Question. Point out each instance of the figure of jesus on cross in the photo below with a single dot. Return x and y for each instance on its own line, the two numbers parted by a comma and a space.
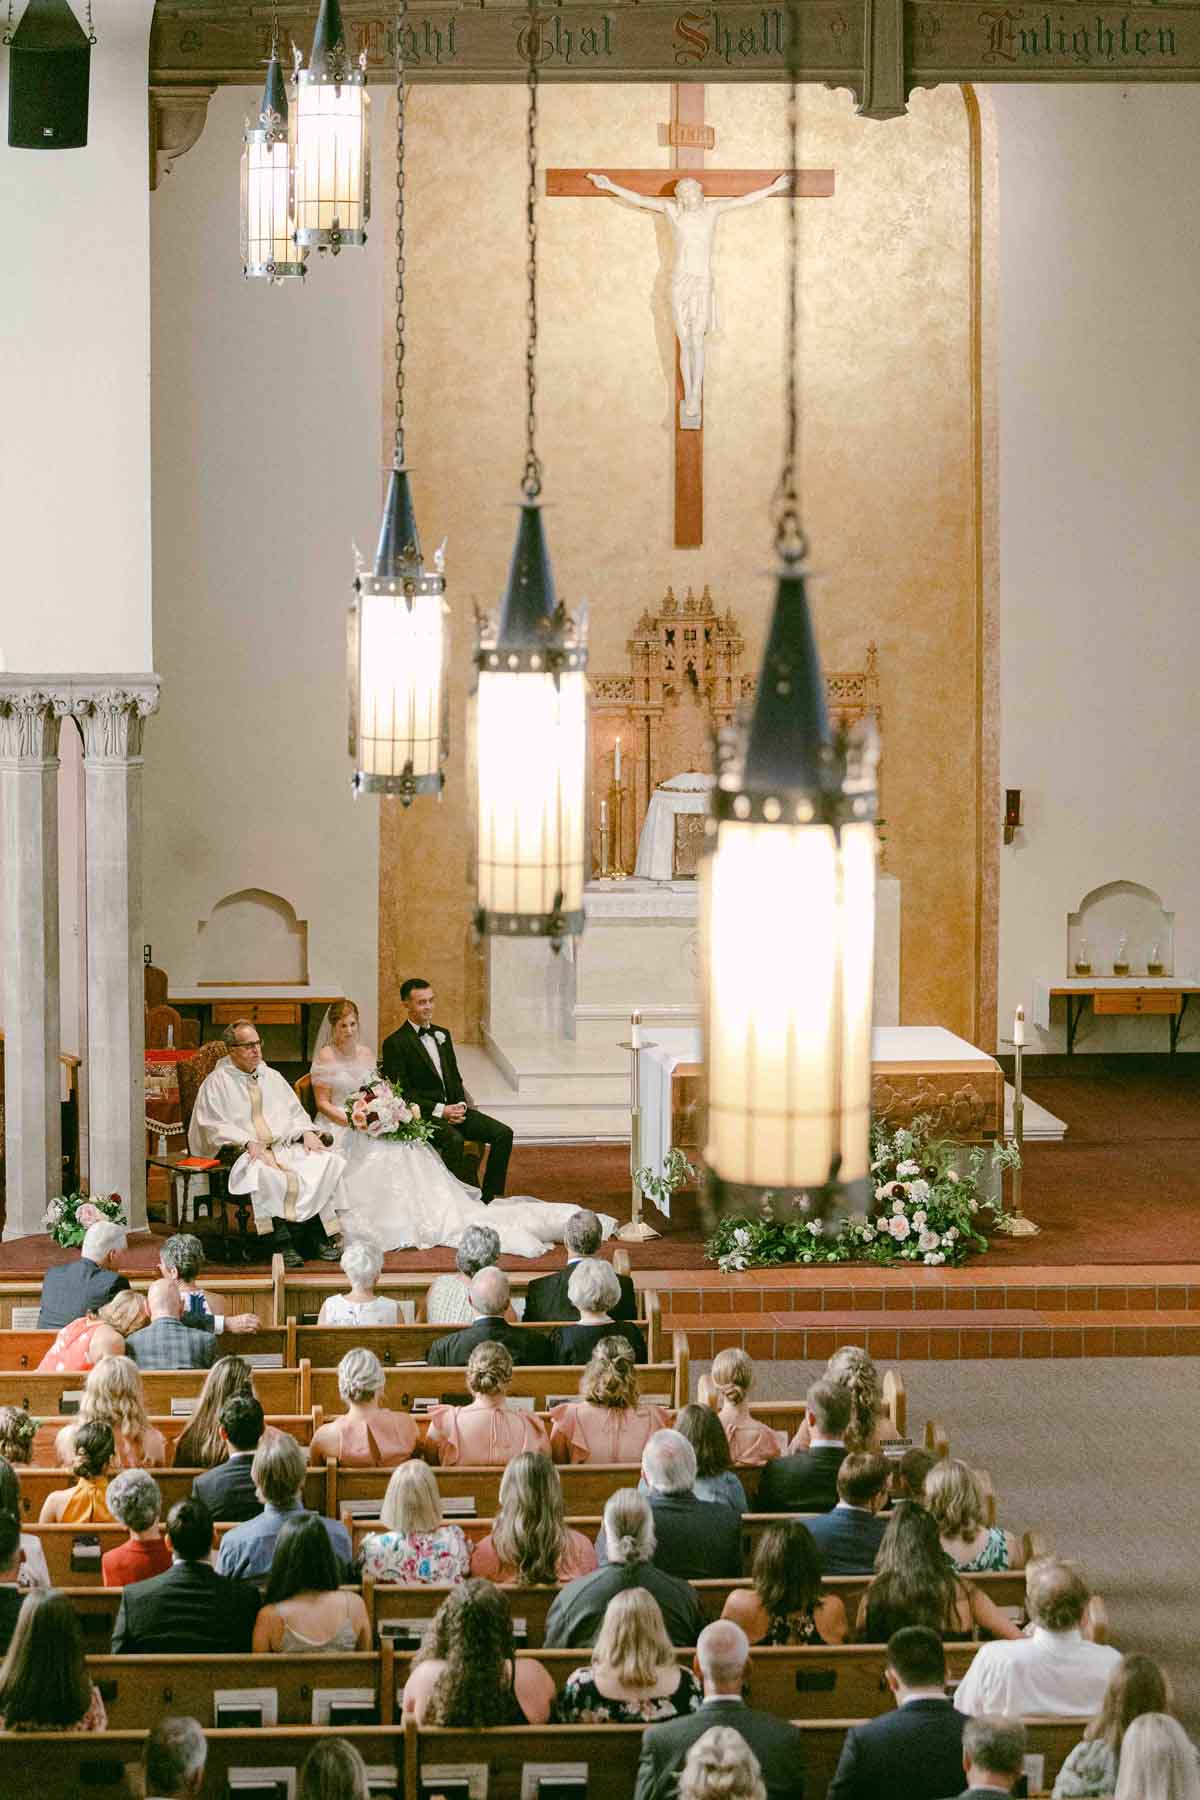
693, 221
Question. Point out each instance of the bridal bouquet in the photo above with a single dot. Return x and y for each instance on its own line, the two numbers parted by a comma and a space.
378, 1108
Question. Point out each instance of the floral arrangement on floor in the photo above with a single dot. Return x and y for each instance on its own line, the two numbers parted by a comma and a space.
926, 1210
69, 1215
379, 1109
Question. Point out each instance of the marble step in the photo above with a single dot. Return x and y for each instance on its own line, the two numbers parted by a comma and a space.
944, 1337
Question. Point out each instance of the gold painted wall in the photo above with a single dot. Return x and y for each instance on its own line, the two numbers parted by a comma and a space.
888, 473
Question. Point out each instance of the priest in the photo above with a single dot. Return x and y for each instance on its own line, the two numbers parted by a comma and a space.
247, 1116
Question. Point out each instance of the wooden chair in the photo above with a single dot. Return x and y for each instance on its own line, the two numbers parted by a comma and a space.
165, 1028
219, 1203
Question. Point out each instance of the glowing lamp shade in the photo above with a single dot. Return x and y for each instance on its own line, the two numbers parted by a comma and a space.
269, 250
399, 733
331, 142
531, 756
788, 917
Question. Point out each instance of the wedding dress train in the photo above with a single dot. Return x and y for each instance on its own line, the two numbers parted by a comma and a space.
402, 1196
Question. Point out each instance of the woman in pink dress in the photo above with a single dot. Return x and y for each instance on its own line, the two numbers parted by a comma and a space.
530, 1542
488, 1431
367, 1436
608, 1423
727, 1391
80, 1345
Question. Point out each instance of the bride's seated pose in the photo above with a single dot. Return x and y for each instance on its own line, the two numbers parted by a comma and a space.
400, 1195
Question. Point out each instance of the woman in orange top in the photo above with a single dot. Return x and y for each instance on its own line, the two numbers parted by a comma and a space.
91, 1465
367, 1436
608, 1423
80, 1345
529, 1541
114, 1396
488, 1431
726, 1391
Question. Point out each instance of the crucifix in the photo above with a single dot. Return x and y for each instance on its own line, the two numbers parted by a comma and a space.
693, 210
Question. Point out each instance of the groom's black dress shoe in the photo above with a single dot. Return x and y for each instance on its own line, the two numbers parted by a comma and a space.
330, 1250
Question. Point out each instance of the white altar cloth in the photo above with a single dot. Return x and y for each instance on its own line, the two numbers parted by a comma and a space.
686, 793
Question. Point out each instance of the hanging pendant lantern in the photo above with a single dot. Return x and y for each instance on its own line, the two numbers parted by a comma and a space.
331, 144
269, 249
399, 711
788, 900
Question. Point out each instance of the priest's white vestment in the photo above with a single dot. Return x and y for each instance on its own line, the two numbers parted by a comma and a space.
236, 1109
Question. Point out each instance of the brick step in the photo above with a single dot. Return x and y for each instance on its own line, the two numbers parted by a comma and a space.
1149, 1287
897, 1336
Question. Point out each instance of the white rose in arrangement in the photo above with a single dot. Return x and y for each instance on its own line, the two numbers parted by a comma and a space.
814, 1226
907, 1168
952, 1175
934, 1257
928, 1240
741, 1237
920, 1191
868, 1235
919, 1219
899, 1227
949, 1236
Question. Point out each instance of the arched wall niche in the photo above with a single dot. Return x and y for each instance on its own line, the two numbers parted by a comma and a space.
1116, 910
253, 937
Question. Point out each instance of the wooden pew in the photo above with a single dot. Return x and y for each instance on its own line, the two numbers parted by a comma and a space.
139, 1690
325, 1345
260, 1293
302, 1294
59, 1545
788, 1415
280, 1390
405, 1388
25, 1349
586, 1486
300, 1425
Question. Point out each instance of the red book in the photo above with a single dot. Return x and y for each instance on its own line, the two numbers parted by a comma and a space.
197, 1162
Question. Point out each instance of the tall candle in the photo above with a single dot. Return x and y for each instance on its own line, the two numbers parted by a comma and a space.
617, 762
1018, 1032
635, 1033
603, 813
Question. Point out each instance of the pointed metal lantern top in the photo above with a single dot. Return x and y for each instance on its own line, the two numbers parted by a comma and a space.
273, 112
49, 25
398, 552
530, 604
329, 59
787, 746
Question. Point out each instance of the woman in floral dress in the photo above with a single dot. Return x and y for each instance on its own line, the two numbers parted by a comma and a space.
417, 1545
634, 1677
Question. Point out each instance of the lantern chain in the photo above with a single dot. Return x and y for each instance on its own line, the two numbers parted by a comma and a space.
274, 29
8, 29
790, 539
90, 27
401, 26
531, 480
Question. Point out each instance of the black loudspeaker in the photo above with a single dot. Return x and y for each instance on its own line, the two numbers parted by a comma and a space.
48, 79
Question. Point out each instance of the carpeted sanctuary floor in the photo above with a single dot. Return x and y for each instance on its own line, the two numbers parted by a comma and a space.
1101, 1458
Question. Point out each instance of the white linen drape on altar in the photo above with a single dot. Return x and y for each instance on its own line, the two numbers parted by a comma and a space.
686, 793
673, 1044
235, 1108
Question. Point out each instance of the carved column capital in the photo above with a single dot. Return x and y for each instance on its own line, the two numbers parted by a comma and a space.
112, 716
30, 717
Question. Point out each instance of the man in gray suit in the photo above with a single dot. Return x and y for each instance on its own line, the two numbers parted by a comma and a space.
166, 1342
723, 1651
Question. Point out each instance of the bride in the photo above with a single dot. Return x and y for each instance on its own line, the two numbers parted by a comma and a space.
401, 1195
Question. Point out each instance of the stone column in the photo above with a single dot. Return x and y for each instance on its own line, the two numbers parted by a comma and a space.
30, 716
112, 715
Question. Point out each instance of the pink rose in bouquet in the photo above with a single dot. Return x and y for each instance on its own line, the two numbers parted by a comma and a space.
89, 1214
358, 1115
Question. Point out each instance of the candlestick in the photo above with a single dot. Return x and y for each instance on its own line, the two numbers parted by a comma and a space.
618, 870
1018, 1225
637, 1231
1018, 1036
617, 763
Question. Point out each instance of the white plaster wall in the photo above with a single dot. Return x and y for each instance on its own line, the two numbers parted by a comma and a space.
75, 375
1099, 395
247, 773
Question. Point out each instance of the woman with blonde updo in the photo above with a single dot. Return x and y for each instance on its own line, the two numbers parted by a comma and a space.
113, 1395
530, 1542
80, 1345
726, 1390
721, 1766
488, 1431
954, 1497
609, 1422
368, 1436
870, 1424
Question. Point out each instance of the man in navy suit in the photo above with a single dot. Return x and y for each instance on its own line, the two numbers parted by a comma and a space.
72, 1289
848, 1537
697, 1540
228, 1491
807, 1481
420, 1059
489, 1295
547, 1297
916, 1752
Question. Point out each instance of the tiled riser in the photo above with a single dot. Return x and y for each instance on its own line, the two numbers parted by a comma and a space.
785, 1338
745, 1297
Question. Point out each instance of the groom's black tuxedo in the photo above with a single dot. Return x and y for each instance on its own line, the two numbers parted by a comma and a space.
406, 1061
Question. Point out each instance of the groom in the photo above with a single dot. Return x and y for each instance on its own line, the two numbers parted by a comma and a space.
420, 1059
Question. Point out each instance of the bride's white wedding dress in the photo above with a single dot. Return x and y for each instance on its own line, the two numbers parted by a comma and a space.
402, 1196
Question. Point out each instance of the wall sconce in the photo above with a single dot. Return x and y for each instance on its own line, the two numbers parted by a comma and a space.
1012, 813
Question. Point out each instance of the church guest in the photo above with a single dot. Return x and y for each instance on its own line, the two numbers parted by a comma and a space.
530, 1543
166, 1342
955, 1498
806, 1481
91, 1464
721, 1766
17, 1432
368, 1436
181, 1260
786, 1604
489, 1303
488, 1432
11, 1594
909, 1475
305, 1612
1055, 1670
994, 1757
227, 1489
1137, 1685
715, 1478
594, 1292
247, 1116
188, 1610
113, 1395
416, 1544
577, 1613
634, 1677
915, 1584
608, 1423
44, 1679
134, 1501
915, 1752
361, 1265
727, 1389
33, 1570
278, 1468
693, 1539
80, 1345
870, 1424
1158, 1761
467, 1672
448, 1299
333, 1770
201, 1444
173, 1761
548, 1298
89, 1281
848, 1538
420, 1059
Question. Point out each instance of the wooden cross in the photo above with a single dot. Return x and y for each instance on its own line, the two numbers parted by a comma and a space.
688, 137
